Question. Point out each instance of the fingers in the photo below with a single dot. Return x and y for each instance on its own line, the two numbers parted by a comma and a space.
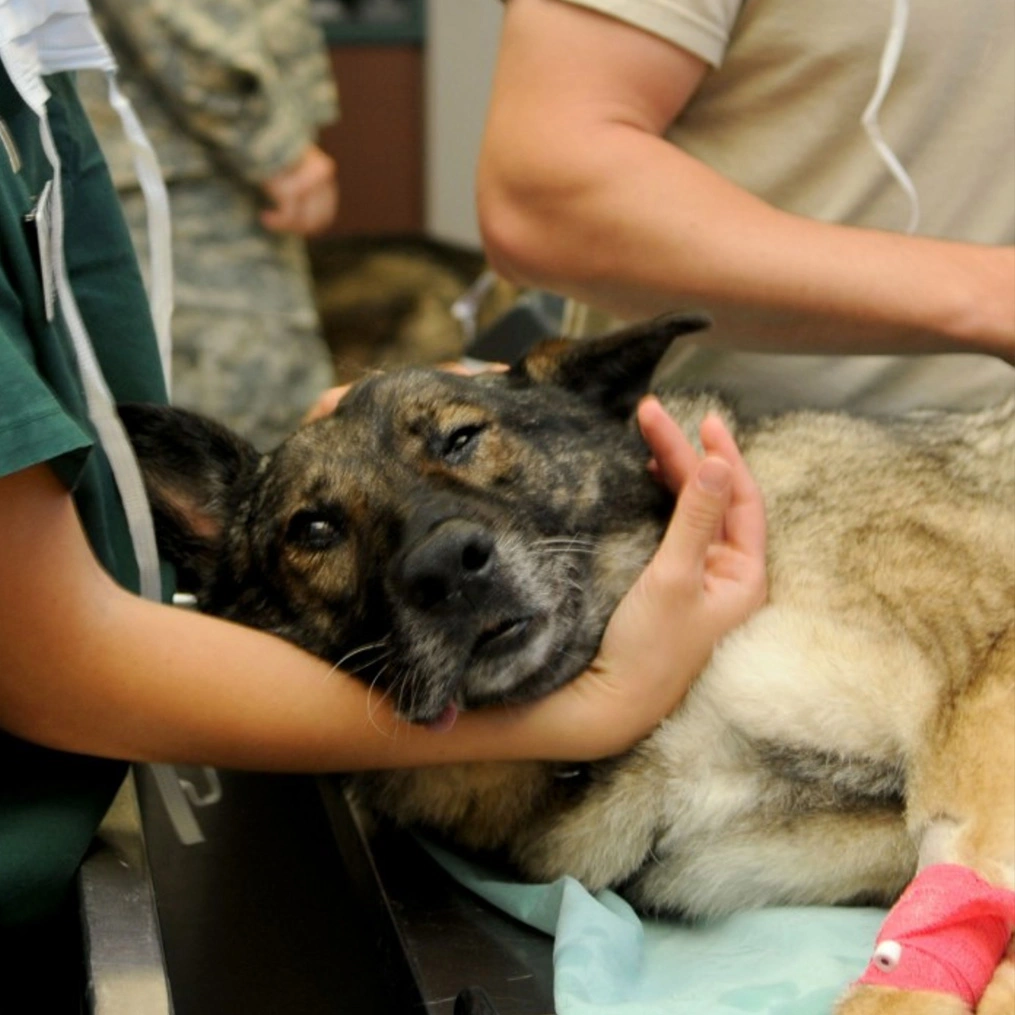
326, 404
285, 193
304, 214
718, 490
304, 196
674, 458
469, 370
744, 521
677, 463
700, 511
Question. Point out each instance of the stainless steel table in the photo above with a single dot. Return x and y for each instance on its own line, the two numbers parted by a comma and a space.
285, 905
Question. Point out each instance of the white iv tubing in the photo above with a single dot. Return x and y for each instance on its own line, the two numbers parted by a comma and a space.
886, 74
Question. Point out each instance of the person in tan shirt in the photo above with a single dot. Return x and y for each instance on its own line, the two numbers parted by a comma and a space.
710, 154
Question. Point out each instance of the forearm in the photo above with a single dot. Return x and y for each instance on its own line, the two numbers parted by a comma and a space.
604, 211
191, 688
86, 666
186, 688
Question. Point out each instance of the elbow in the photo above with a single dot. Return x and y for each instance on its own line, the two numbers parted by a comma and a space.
32, 721
513, 240
532, 226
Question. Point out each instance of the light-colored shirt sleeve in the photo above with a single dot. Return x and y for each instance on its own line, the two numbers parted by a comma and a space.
702, 27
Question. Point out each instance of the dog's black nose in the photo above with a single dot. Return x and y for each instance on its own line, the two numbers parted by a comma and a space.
455, 557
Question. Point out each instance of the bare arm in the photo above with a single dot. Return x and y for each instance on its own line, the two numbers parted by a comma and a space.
580, 194
86, 666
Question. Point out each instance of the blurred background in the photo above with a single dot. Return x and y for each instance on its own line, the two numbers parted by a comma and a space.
414, 80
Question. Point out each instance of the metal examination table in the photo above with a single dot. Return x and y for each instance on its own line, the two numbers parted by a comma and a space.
287, 907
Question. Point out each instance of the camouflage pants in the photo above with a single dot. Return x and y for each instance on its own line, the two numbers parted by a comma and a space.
247, 347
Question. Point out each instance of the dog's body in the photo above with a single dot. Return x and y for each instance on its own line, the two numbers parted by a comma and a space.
460, 542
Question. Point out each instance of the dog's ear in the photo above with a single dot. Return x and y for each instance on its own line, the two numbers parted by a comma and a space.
612, 370
192, 468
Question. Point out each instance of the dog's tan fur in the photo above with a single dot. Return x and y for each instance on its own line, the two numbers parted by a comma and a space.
859, 725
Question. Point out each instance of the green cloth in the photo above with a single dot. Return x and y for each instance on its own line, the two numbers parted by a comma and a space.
776, 961
51, 802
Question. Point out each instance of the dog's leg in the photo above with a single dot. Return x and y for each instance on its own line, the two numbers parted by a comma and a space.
961, 800
999, 997
754, 862
603, 838
644, 828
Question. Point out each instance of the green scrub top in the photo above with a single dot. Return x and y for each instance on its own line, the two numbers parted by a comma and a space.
51, 802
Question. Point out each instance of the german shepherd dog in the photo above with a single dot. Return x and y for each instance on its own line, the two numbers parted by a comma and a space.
461, 541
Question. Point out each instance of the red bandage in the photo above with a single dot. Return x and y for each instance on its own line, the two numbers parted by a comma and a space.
947, 933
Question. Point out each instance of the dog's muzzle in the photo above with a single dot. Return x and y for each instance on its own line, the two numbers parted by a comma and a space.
451, 568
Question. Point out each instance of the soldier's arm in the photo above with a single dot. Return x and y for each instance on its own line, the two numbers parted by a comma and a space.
304, 197
580, 193
216, 66
86, 666
296, 43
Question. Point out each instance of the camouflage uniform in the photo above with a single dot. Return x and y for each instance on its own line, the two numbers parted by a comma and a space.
230, 92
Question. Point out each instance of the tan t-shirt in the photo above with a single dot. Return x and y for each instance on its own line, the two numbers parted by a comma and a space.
780, 115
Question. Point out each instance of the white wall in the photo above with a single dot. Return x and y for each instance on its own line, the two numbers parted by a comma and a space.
461, 43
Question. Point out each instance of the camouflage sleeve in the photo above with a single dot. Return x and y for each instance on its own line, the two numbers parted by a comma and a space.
249, 78
298, 48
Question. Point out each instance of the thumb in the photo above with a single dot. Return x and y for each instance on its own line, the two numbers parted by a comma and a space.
699, 514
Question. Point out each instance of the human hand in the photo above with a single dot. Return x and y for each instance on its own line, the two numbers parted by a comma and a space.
707, 576
325, 404
304, 196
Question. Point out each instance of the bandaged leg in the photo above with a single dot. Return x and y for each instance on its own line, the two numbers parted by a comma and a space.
942, 949
947, 933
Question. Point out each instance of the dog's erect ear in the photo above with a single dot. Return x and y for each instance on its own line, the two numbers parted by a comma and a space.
612, 370
192, 467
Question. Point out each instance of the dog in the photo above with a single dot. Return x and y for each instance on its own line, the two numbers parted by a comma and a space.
461, 541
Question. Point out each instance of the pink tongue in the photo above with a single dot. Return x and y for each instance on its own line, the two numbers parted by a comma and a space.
445, 720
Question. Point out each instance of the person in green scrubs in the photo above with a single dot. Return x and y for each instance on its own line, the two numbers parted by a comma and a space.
92, 676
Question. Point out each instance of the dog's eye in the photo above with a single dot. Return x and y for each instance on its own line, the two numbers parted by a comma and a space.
314, 530
459, 442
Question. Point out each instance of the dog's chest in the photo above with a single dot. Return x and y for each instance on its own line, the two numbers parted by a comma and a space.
795, 712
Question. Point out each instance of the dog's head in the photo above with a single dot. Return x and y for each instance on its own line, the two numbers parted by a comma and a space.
454, 540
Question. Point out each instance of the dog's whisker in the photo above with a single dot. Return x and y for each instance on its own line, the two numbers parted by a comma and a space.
604, 553
409, 683
372, 708
567, 654
564, 546
383, 643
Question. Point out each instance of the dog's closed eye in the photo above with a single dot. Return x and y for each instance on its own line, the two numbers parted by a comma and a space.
457, 445
315, 530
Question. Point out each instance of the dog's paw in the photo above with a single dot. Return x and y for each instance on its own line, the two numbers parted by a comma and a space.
999, 997
866, 999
